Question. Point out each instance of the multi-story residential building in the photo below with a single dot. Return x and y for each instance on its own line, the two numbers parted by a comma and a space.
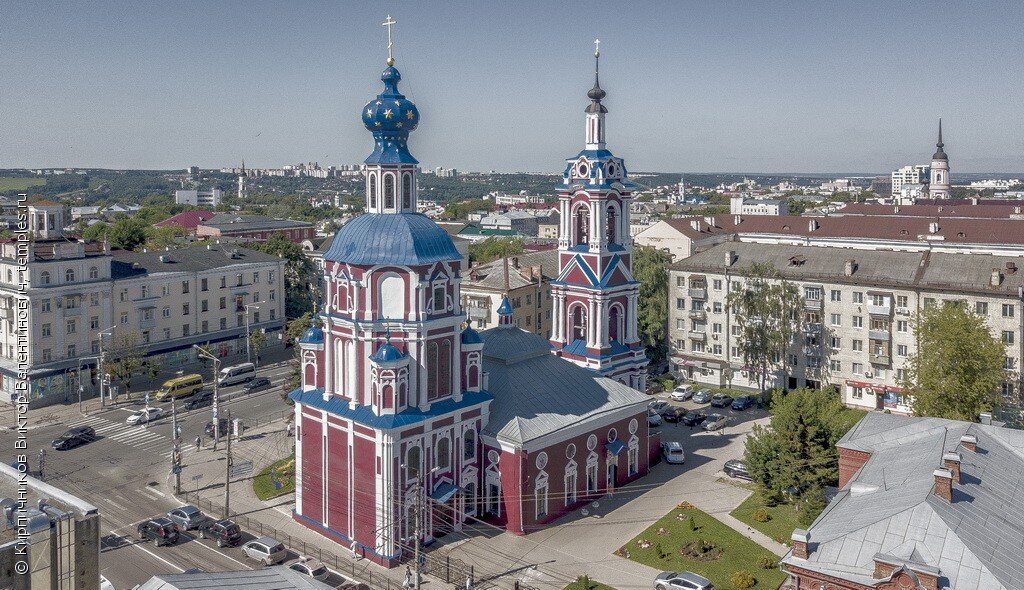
857, 319
741, 205
55, 536
197, 198
522, 198
520, 222
77, 293
257, 227
917, 174
524, 278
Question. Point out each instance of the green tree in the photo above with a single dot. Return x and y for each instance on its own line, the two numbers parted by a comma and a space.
300, 274
257, 339
127, 233
159, 238
297, 327
96, 231
494, 248
767, 309
797, 449
124, 357
649, 268
958, 369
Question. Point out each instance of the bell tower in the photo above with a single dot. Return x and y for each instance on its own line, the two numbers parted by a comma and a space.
595, 294
938, 186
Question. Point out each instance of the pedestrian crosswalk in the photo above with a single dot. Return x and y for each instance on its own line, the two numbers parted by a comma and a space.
136, 436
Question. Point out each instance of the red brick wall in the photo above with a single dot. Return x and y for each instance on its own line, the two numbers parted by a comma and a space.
849, 462
312, 469
337, 480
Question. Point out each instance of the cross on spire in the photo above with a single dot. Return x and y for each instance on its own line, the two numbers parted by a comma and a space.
597, 48
388, 23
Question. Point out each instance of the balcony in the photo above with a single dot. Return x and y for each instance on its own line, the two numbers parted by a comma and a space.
700, 336
882, 335
814, 304
698, 314
698, 293
880, 310
881, 359
72, 311
812, 328
479, 313
144, 323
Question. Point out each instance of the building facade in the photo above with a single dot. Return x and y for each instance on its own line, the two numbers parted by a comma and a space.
858, 315
524, 279
255, 227
197, 198
410, 424
919, 174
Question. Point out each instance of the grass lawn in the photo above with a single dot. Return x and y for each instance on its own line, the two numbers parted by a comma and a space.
282, 472
19, 183
662, 547
592, 585
783, 517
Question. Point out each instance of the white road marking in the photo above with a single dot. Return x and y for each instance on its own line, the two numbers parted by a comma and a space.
151, 491
247, 566
155, 556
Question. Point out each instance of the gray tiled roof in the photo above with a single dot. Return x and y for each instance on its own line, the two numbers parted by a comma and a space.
195, 259
492, 274
235, 222
889, 508
271, 578
537, 393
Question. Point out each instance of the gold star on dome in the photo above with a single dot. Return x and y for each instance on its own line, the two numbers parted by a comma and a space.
387, 113
399, 124
369, 112
376, 123
409, 115
397, 103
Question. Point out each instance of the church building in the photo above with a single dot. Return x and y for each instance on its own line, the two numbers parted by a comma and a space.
411, 424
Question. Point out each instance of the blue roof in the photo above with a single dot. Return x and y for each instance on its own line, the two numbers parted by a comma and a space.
506, 307
579, 348
314, 335
390, 117
615, 447
471, 336
387, 353
405, 239
364, 415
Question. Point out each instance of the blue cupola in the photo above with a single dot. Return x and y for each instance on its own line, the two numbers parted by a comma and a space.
390, 117
387, 353
471, 336
505, 312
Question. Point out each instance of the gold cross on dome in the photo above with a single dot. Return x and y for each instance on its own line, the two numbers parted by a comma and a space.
597, 48
388, 23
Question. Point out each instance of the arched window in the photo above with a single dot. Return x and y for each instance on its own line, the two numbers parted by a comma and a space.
69, 275
94, 273
443, 458
389, 191
44, 277
444, 369
372, 190
614, 321
469, 444
391, 298
579, 322
407, 191
581, 225
432, 354
611, 227
412, 463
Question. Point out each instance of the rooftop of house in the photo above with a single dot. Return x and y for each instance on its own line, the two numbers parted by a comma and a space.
890, 511
270, 578
187, 219
43, 502
235, 222
491, 276
127, 264
962, 208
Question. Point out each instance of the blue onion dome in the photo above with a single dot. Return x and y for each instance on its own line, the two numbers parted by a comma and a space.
471, 336
390, 117
387, 353
313, 335
506, 306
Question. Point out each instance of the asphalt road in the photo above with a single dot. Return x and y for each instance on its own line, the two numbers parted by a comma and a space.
120, 472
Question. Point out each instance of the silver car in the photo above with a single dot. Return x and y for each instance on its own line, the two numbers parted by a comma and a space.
311, 567
703, 396
682, 581
266, 550
187, 517
715, 422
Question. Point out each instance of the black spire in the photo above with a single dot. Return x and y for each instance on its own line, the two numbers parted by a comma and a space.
596, 93
939, 154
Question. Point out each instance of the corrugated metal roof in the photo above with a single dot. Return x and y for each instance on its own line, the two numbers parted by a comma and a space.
405, 239
271, 578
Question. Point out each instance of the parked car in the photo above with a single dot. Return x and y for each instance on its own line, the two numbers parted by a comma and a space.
672, 452
694, 417
743, 402
721, 400
653, 418
736, 468
145, 415
257, 384
311, 567
200, 400
225, 427
226, 532
682, 393
653, 386
715, 422
160, 530
682, 581
658, 406
73, 438
267, 550
673, 414
702, 397
187, 517
105, 584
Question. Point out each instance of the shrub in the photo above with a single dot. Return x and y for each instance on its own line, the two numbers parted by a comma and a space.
583, 583
742, 580
761, 515
684, 505
691, 524
767, 563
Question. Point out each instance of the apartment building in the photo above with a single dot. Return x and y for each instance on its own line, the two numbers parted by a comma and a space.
73, 295
197, 198
524, 278
857, 317
918, 174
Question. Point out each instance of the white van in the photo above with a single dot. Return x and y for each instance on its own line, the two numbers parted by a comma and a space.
236, 374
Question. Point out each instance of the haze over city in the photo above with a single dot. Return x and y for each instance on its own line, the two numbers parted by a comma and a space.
692, 87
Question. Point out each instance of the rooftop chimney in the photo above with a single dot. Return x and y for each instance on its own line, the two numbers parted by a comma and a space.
515, 262
695, 224
969, 442
801, 539
985, 418
951, 461
730, 257
850, 267
997, 278
710, 220
944, 483
736, 219
933, 227
812, 225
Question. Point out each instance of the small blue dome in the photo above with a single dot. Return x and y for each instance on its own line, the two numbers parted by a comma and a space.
506, 307
471, 336
314, 335
390, 117
387, 353
405, 239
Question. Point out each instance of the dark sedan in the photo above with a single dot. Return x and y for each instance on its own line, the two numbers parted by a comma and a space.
721, 400
694, 417
200, 400
73, 438
257, 384
673, 414
736, 468
743, 402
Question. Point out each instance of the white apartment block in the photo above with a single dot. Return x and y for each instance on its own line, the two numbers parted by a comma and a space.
918, 174
740, 205
859, 307
170, 300
196, 198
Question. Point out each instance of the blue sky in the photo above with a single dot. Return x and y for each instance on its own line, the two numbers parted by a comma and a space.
692, 86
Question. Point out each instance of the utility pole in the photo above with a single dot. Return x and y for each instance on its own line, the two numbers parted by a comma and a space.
248, 332
216, 392
418, 509
227, 474
176, 454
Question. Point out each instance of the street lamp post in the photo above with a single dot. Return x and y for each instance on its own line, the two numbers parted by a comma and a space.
216, 392
248, 332
99, 370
